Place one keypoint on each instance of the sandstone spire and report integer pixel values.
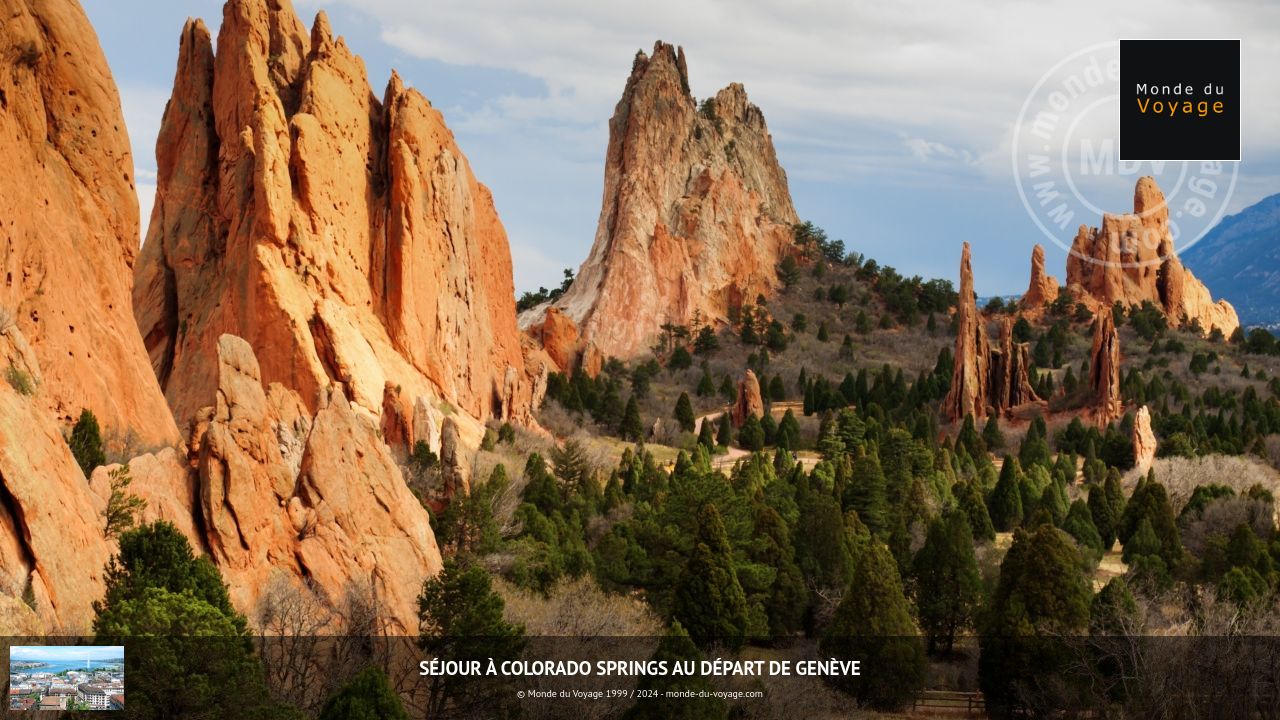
(1043, 289)
(1130, 259)
(696, 212)
(749, 402)
(1144, 440)
(1009, 384)
(344, 237)
(69, 233)
(968, 393)
(1104, 369)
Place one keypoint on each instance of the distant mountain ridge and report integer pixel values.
(1240, 259)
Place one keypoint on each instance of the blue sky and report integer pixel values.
(65, 653)
(893, 121)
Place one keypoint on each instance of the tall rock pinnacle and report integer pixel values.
(1104, 369)
(968, 393)
(1130, 259)
(342, 236)
(695, 217)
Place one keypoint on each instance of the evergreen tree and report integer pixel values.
(948, 586)
(1079, 525)
(1005, 503)
(684, 413)
(969, 501)
(706, 386)
(708, 599)
(1042, 595)
(873, 624)
(1113, 610)
(1150, 502)
(787, 596)
(777, 389)
(86, 443)
(631, 427)
(788, 432)
(823, 334)
(190, 651)
(866, 496)
(690, 698)
(728, 390)
(991, 435)
(751, 434)
(367, 696)
(461, 619)
(724, 433)
(706, 438)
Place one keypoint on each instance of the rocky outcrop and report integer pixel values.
(318, 497)
(1144, 440)
(1131, 259)
(749, 402)
(69, 228)
(1009, 385)
(560, 338)
(1104, 370)
(1042, 291)
(455, 474)
(968, 393)
(696, 212)
(52, 544)
(343, 236)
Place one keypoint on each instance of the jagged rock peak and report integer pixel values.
(695, 217)
(69, 234)
(1130, 259)
(968, 393)
(343, 237)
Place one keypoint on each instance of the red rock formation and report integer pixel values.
(1131, 259)
(320, 498)
(343, 236)
(1009, 385)
(749, 400)
(69, 228)
(52, 547)
(968, 393)
(1104, 370)
(559, 336)
(1043, 289)
(1144, 440)
(696, 212)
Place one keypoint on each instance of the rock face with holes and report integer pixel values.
(69, 223)
(319, 497)
(1104, 370)
(696, 212)
(1130, 259)
(341, 234)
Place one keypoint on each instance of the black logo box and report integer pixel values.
(1186, 65)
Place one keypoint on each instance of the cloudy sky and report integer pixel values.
(894, 121)
(66, 653)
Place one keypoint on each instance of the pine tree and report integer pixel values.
(1043, 594)
(788, 437)
(631, 427)
(724, 433)
(991, 434)
(1079, 525)
(367, 696)
(1113, 610)
(728, 390)
(690, 695)
(873, 624)
(969, 500)
(86, 443)
(706, 438)
(866, 494)
(1005, 503)
(684, 413)
(461, 619)
(787, 596)
(751, 434)
(823, 334)
(948, 586)
(706, 386)
(777, 390)
(708, 599)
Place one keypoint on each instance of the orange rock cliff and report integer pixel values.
(695, 218)
(343, 236)
(1130, 259)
